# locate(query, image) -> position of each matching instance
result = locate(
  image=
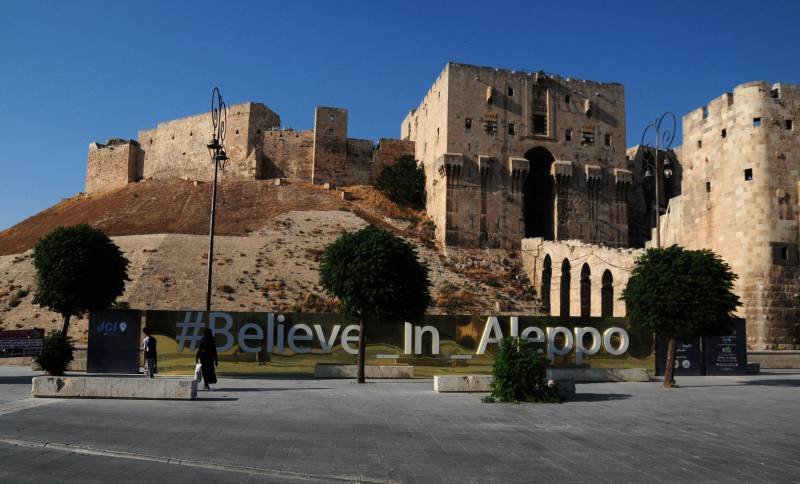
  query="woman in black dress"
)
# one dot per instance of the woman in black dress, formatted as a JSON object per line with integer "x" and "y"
{"x": 207, "y": 356}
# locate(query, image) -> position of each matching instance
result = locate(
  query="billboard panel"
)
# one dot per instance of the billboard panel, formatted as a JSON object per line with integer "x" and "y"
{"x": 273, "y": 343}
{"x": 113, "y": 342}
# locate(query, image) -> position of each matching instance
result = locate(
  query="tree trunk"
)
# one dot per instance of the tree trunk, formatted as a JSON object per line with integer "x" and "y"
{"x": 362, "y": 349}
{"x": 669, "y": 371}
{"x": 65, "y": 327}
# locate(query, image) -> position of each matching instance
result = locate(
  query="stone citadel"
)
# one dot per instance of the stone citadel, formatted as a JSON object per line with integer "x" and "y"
{"x": 540, "y": 162}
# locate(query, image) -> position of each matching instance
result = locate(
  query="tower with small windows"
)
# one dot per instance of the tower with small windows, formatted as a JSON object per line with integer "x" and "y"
{"x": 513, "y": 154}
{"x": 739, "y": 197}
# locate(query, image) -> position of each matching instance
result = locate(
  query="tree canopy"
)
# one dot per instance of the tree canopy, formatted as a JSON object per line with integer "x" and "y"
{"x": 78, "y": 268}
{"x": 376, "y": 275}
{"x": 403, "y": 182}
{"x": 679, "y": 293}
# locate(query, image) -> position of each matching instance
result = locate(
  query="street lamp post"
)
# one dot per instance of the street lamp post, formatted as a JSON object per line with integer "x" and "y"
{"x": 216, "y": 148}
{"x": 663, "y": 141}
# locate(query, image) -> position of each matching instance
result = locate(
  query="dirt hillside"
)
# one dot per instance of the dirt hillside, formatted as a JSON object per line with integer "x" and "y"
{"x": 267, "y": 255}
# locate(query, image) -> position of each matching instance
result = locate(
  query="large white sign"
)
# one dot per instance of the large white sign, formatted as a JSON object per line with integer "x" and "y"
{"x": 253, "y": 338}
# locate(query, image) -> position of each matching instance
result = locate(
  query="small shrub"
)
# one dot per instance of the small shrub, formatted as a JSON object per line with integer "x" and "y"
{"x": 22, "y": 293}
{"x": 226, "y": 289}
{"x": 520, "y": 374}
{"x": 56, "y": 353}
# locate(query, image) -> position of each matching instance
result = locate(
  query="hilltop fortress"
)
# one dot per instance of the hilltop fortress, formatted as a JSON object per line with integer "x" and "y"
{"x": 257, "y": 147}
{"x": 540, "y": 162}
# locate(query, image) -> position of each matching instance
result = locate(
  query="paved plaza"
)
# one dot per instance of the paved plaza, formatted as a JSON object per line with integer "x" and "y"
{"x": 711, "y": 429}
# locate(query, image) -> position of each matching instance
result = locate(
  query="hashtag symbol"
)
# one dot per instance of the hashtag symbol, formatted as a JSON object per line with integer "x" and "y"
{"x": 186, "y": 326}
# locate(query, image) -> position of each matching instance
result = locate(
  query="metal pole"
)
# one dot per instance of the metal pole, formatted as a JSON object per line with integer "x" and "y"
{"x": 211, "y": 233}
{"x": 658, "y": 198}
{"x": 668, "y": 137}
{"x": 219, "y": 114}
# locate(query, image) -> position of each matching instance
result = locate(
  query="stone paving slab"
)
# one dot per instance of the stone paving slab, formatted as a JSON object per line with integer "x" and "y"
{"x": 711, "y": 429}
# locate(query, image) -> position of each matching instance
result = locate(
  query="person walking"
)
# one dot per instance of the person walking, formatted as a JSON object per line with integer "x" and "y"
{"x": 150, "y": 353}
{"x": 207, "y": 356}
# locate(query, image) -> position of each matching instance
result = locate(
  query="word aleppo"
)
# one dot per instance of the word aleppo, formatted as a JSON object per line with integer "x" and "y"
{"x": 251, "y": 337}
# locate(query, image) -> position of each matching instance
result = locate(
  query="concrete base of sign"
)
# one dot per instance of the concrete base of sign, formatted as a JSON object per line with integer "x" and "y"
{"x": 483, "y": 383}
{"x": 598, "y": 375}
{"x": 324, "y": 370}
{"x": 783, "y": 359}
{"x": 114, "y": 387}
{"x": 462, "y": 383}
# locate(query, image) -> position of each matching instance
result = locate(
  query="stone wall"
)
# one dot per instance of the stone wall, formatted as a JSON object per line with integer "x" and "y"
{"x": 256, "y": 146}
{"x": 330, "y": 144}
{"x": 288, "y": 154}
{"x": 481, "y": 132}
{"x": 112, "y": 165}
{"x": 740, "y": 188}
{"x": 574, "y": 278}
{"x": 178, "y": 148}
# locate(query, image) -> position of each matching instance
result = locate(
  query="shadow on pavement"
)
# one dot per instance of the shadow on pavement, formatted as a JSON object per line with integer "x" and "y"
{"x": 235, "y": 390}
{"x": 774, "y": 383}
{"x": 216, "y": 399}
{"x": 15, "y": 380}
{"x": 598, "y": 397}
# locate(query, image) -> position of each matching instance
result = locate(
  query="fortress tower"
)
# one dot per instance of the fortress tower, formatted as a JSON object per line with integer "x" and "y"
{"x": 510, "y": 154}
{"x": 740, "y": 189}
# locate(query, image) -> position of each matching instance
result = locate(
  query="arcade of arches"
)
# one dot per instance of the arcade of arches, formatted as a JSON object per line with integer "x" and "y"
{"x": 573, "y": 278}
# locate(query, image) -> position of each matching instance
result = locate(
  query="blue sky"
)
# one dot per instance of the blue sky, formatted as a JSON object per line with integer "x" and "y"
{"x": 75, "y": 72}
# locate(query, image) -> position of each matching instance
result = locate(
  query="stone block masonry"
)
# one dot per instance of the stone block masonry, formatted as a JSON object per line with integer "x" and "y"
{"x": 510, "y": 154}
{"x": 113, "y": 165}
{"x": 740, "y": 188}
{"x": 257, "y": 147}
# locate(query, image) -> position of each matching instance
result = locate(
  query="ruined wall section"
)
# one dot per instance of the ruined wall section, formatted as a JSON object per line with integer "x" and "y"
{"x": 389, "y": 151}
{"x": 112, "y": 165}
{"x": 486, "y": 119}
{"x": 344, "y": 161}
{"x": 740, "y": 189}
{"x": 177, "y": 148}
{"x": 288, "y": 154}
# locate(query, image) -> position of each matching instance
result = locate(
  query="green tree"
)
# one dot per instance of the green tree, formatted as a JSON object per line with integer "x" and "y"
{"x": 376, "y": 277}
{"x": 680, "y": 294}
{"x": 78, "y": 268}
{"x": 403, "y": 182}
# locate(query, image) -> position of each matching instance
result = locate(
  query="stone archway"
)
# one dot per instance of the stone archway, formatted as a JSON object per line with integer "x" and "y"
{"x": 586, "y": 291}
{"x": 607, "y": 295}
{"x": 564, "y": 296}
{"x": 539, "y": 195}
{"x": 544, "y": 289}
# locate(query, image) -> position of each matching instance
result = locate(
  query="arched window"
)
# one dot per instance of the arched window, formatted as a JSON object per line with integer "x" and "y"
{"x": 607, "y": 295}
{"x": 564, "y": 299}
{"x": 586, "y": 291}
{"x": 544, "y": 290}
